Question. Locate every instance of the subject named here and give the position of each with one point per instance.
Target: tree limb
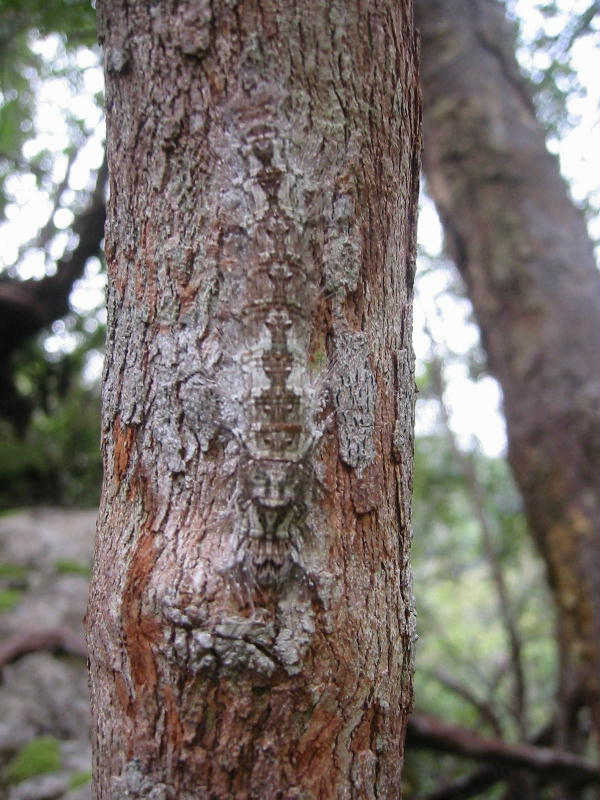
(471, 785)
(485, 710)
(26, 307)
(427, 732)
(56, 640)
(523, 250)
(479, 506)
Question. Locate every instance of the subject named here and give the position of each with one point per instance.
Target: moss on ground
(68, 566)
(37, 757)
(79, 779)
(9, 598)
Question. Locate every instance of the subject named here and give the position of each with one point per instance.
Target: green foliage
(79, 779)
(9, 598)
(462, 637)
(73, 19)
(67, 566)
(12, 572)
(46, 380)
(58, 459)
(547, 58)
(13, 580)
(37, 757)
(22, 69)
(422, 770)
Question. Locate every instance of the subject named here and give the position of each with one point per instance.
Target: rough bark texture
(523, 250)
(251, 616)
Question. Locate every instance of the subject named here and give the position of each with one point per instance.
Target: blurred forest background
(488, 658)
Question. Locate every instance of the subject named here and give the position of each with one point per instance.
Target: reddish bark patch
(314, 749)
(137, 629)
(123, 439)
(122, 693)
(367, 489)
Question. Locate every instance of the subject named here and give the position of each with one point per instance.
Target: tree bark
(251, 615)
(523, 250)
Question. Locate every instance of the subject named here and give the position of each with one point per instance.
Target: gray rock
(41, 537)
(83, 793)
(51, 695)
(40, 693)
(15, 729)
(59, 601)
(43, 787)
(76, 754)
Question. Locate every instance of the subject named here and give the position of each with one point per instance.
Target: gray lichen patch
(193, 28)
(242, 644)
(228, 644)
(184, 411)
(343, 247)
(354, 395)
(234, 644)
(403, 436)
(135, 783)
(200, 406)
(116, 59)
(405, 404)
(297, 626)
(163, 421)
(124, 382)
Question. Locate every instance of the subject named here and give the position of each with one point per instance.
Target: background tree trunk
(523, 250)
(251, 616)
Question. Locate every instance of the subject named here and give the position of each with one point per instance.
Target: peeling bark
(523, 250)
(251, 615)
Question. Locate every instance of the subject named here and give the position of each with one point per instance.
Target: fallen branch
(55, 640)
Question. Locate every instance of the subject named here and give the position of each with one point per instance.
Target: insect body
(275, 418)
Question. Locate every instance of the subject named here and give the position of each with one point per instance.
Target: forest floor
(45, 561)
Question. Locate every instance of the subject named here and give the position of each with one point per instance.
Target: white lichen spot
(135, 783)
(354, 395)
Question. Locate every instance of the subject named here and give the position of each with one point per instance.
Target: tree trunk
(251, 617)
(523, 250)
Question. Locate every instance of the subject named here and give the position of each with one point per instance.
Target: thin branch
(471, 785)
(485, 777)
(56, 640)
(54, 290)
(49, 229)
(485, 710)
(478, 504)
(28, 306)
(425, 731)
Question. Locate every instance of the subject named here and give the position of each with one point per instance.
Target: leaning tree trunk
(527, 260)
(250, 616)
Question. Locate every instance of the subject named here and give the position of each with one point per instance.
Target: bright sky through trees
(440, 315)
(474, 405)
